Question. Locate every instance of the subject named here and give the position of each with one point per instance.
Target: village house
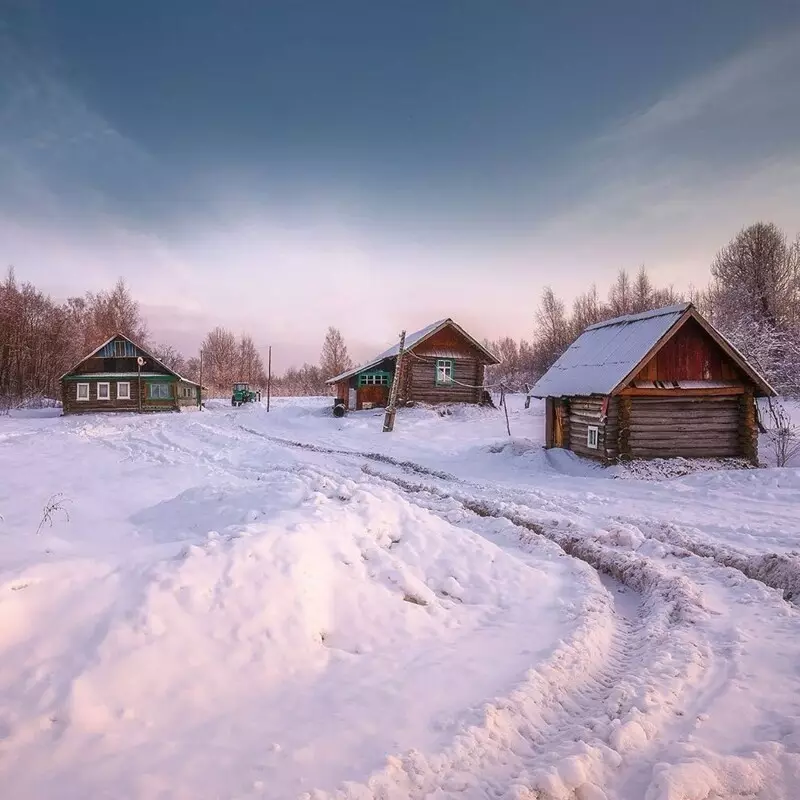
(661, 384)
(441, 363)
(122, 376)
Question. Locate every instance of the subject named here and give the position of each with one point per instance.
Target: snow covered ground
(236, 604)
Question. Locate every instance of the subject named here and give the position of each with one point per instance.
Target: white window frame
(445, 371)
(108, 390)
(88, 392)
(120, 395)
(592, 441)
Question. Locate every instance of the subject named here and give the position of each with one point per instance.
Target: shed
(661, 384)
(442, 363)
(111, 378)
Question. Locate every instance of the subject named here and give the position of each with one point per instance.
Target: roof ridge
(655, 312)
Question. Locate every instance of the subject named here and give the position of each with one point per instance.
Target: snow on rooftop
(605, 353)
(411, 340)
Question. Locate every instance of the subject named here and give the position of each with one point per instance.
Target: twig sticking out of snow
(53, 506)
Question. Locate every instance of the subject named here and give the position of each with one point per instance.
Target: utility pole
(269, 374)
(391, 409)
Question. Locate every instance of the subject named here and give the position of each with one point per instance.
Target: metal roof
(605, 353)
(412, 340)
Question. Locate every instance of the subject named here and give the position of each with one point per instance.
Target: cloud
(754, 80)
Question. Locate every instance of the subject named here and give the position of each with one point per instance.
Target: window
(444, 371)
(119, 349)
(83, 392)
(123, 391)
(194, 392)
(591, 437)
(103, 391)
(160, 391)
(373, 379)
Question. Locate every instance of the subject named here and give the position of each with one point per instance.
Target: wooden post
(549, 421)
(200, 393)
(269, 374)
(505, 407)
(391, 408)
(139, 381)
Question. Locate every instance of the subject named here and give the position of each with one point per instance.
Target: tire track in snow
(653, 667)
(777, 570)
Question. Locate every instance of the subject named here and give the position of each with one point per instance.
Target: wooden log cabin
(661, 384)
(122, 376)
(442, 363)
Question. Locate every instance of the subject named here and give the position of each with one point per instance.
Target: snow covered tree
(334, 359)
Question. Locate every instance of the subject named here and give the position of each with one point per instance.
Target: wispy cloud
(755, 79)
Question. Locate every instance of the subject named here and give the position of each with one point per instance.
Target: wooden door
(377, 395)
(559, 416)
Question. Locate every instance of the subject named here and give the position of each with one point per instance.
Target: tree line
(753, 297)
(41, 339)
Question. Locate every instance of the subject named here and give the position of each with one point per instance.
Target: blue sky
(284, 166)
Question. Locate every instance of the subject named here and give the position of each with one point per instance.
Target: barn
(661, 384)
(441, 363)
(122, 376)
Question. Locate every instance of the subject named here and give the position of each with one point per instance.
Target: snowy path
(272, 608)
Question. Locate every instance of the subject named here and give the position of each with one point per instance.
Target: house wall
(468, 369)
(691, 427)
(691, 354)
(583, 413)
(71, 404)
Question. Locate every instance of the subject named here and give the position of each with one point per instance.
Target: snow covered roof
(412, 340)
(606, 354)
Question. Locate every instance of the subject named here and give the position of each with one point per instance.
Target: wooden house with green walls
(120, 375)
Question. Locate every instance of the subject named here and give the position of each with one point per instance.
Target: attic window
(592, 437)
(119, 349)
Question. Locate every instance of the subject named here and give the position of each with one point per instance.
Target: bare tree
(170, 357)
(251, 366)
(334, 359)
(642, 295)
(620, 298)
(782, 434)
(220, 360)
(552, 330)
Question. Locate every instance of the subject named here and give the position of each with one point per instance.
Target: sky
(280, 167)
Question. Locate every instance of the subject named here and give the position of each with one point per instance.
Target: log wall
(71, 404)
(585, 412)
(692, 427)
(422, 387)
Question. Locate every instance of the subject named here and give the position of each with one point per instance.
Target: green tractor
(243, 394)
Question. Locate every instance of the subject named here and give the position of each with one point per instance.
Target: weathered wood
(625, 411)
(689, 354)
(709, 392)
(549, 421)
(749, 427)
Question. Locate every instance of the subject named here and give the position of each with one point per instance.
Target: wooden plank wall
(583, 412)
(691, 354)
(423, 388)
(699, 427)
(612, 428)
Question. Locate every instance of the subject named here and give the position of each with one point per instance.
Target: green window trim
(375, 377)
(445, 371)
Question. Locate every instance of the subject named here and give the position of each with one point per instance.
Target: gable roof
(607, 355)
(138, 347)
(412, 340)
